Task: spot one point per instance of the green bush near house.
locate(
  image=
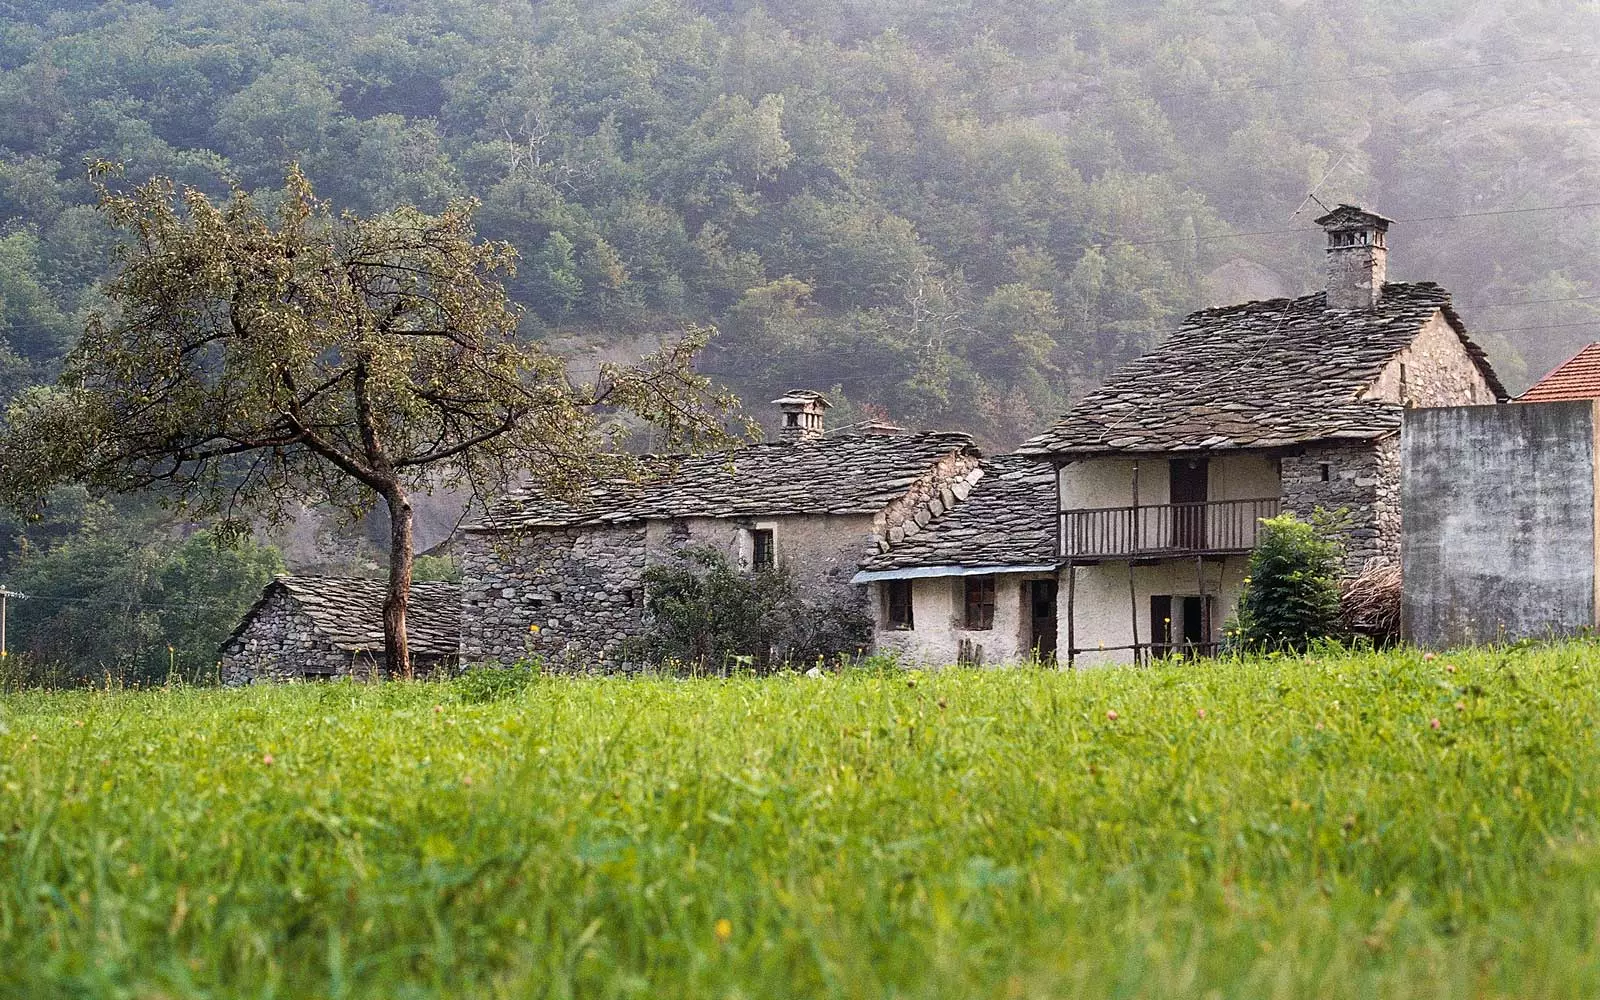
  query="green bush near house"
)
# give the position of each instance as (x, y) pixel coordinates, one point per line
(1377, 825)
(1291, 596)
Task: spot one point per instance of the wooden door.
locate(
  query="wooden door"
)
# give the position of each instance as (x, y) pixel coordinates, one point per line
(1190, 483)
(1042, 618)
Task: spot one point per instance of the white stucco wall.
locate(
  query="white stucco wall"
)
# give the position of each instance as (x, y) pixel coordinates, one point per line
(1095, 483)
(936, 611)
(1103, 616)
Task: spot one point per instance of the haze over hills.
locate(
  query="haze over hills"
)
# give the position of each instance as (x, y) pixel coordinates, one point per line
(958, 213)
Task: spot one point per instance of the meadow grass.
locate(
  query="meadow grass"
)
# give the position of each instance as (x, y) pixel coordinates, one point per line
(1272, 828)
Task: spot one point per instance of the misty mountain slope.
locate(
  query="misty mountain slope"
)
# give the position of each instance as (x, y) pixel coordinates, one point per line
(949, 212)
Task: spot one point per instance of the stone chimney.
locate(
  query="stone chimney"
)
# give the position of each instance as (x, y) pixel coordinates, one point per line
(802, 414)
(1358, 260)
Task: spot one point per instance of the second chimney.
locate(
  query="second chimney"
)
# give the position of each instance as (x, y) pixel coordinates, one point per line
(802, 414)
(1358, 260)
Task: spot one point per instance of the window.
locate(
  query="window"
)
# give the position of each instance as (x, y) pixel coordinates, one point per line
(763, 549)
(897, 604)
(1326, 470)
(978, 604)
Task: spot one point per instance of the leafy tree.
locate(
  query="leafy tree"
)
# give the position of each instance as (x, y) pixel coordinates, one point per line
(115, 591)
(1291, 597)
(259, 360)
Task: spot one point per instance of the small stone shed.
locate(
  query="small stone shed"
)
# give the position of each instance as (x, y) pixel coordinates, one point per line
(563, 581)
(979, 584)
(322, 627)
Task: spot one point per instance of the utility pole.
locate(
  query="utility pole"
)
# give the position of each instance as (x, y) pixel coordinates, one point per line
(6, 593)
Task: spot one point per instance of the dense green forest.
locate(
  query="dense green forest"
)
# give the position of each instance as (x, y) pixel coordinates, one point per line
(947, 212)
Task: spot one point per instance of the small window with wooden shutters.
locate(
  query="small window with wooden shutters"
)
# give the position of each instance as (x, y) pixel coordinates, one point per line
(763, 549)
(978, 606)
(897, 604)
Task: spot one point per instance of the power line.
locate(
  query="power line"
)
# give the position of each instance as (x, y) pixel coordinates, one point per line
(1305, 229)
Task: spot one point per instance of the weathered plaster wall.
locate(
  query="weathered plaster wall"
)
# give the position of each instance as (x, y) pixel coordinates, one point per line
(1104, 617)
(937, 609)
(1437, 371)
(1498, 505)
(281, 643)
(584, 589)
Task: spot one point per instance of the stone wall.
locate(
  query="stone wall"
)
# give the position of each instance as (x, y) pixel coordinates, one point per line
(583, 587)
(1434, 371)
(281, 643)
(570, 596)
(1362, 480)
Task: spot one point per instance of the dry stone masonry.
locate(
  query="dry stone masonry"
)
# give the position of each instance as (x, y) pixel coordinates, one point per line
(320, 627)
(562, 580)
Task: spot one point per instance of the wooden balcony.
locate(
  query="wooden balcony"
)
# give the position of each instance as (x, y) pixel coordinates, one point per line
(1164, 531)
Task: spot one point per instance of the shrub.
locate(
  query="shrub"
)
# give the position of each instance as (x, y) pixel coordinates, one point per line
(706, 614)
(1291, 597)
(481, 685)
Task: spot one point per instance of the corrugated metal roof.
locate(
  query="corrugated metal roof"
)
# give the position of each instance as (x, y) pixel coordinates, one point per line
(1576, 378)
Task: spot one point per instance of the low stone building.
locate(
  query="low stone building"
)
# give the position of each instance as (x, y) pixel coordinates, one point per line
(979, 584)
(1164, 473)
(564, 581)
(322, 627)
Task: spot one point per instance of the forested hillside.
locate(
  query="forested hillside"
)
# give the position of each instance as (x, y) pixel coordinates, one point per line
(952, 213)
(958, 212)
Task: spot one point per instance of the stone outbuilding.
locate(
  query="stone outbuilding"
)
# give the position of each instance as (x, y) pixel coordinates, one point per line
(979, 584)
(1164, 473)
(323, 627)
(564, 581)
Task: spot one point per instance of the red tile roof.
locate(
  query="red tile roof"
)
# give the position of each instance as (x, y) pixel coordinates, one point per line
(1577, 378)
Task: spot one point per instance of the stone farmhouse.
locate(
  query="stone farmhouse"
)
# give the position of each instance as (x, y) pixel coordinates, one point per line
(979, 584)
(323, 627)
(1164, 473)
(563, 581)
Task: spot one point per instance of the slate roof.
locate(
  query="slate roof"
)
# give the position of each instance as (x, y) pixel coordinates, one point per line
(1576, 378)
(1259, 375)
(349, 612)
(1007, 520)
(834, 474)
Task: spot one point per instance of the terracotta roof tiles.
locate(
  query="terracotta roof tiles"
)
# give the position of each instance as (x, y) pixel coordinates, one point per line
(1576, 378)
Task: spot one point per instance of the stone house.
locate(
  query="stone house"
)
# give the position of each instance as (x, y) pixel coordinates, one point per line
(564, 581)
(322, 627)
(1164, 473)
(979, 584)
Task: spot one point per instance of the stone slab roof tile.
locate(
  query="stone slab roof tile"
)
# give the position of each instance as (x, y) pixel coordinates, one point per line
(1263, 374)
(348, 611)
(835, 474)
(1007, 520)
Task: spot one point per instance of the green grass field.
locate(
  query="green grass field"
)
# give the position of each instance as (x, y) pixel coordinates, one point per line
(1258, 829)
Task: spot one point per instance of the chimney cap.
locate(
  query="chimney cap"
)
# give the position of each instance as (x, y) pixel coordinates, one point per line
(803, 397)
(1353, 217)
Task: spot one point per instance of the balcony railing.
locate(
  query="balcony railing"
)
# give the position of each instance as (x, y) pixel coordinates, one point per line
(1177, 529)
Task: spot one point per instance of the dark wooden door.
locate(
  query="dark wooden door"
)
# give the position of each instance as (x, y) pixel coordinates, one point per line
(1190, 482)
(1042, 618)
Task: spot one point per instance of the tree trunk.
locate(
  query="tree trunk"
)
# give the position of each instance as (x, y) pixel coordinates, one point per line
(396, 648)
